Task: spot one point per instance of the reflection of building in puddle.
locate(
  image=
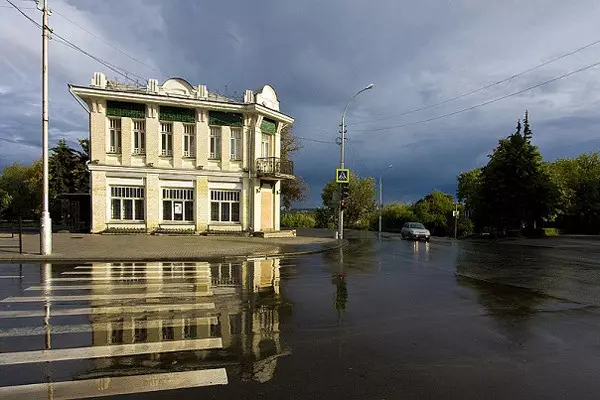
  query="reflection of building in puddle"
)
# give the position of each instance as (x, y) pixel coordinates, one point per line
(246, 314)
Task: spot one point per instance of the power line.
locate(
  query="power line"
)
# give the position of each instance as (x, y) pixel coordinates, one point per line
(314, 140)
(359, 160)
(23, 14)
(66, 42)
(587, 46)
(105, 42)
(486, 102)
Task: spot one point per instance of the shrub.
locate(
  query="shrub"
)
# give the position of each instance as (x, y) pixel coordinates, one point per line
(299, 220)
(551, 232)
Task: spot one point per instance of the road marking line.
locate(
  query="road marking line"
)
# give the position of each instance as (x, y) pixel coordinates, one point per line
(11, 277)
(109, 310)
(115, 350)
(97, 297)
(99, 326)
(114, 386)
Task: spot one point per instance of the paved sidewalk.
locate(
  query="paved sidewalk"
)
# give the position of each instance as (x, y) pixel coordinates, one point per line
(77, 247)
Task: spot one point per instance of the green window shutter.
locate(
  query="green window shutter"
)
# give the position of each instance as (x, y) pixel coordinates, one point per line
(225, 118)
(124, 109)
(268, 126)
(180, 114)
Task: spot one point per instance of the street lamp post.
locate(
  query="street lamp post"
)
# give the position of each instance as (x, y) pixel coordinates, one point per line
(343, 139)
(381, 195)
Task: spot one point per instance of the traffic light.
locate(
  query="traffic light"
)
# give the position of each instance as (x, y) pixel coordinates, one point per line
(345, 190)
(342, 205)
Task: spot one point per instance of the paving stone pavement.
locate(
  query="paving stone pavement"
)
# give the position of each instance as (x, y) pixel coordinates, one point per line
(69, 246)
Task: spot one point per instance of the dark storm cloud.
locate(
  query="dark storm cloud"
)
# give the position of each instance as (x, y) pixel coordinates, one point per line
(317, 54)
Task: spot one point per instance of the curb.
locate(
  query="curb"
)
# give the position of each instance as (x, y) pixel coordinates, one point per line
(61, 259)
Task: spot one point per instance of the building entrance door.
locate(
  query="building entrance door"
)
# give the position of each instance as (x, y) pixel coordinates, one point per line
(266, 206)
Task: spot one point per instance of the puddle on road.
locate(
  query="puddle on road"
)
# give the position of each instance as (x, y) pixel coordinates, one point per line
(70, 329)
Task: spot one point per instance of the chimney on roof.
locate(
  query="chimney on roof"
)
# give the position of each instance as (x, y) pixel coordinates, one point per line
(248, 96)
(98, 80)
(202, 92)
(152, 86)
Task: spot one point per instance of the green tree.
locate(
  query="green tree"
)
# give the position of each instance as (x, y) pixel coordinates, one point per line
(81, 175)
(578, 196)
(5, 200)
(394, 215)
(296, 189)
(23, 187)
(62, 163)
(435, 211)
(469, 192)
(515, 190)
(360, 204)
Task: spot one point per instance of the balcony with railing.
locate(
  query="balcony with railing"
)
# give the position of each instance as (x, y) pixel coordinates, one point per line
(275, 168)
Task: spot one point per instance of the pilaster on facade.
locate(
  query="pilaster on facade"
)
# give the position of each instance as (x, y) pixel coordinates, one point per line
(99, 198)
(152, 202)
(177, 144)
(225, 148)
(152, 135)
(202, 139)
(202, 197)
(126, 136)
(98, 131)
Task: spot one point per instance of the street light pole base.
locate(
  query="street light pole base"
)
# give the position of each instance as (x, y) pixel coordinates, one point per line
(45, 234)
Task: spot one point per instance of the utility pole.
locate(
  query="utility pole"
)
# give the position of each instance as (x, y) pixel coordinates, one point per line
(45, 222)
(381, 196)
(455, 219)
(343, 140)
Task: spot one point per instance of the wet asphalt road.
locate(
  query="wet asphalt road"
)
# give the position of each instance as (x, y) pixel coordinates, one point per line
(380, 319)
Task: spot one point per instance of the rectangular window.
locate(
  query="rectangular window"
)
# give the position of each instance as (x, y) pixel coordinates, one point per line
(178, 204)
(265, 145)
(127, 203)
(215, 142)
(114, 135)
(139, 137)
(166, 148)
(190, 329)
(236, 144)
(225, 206)
(189, 140)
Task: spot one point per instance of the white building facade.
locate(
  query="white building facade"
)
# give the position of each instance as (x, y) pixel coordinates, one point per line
(176, 157)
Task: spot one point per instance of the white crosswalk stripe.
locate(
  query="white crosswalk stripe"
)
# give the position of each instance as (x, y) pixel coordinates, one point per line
(114, 386)
(115, 350)
(109, 310)
(134, 313)
(99, 297)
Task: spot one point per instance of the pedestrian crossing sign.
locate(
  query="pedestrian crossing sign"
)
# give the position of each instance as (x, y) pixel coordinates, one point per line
(342, 175)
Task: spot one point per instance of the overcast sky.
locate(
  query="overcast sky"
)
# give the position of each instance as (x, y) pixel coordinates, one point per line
(317, 54)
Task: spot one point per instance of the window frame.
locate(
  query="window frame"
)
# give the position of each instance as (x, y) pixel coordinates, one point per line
(189, 140)
(215, 137)
(124, 196)
(173, 196)
(224, 200)
(139, 136)
(115, 137)
(266, 145)
(236, 143)
(166, 139)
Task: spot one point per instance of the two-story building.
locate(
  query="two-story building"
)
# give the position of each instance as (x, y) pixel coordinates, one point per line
(179, 157)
